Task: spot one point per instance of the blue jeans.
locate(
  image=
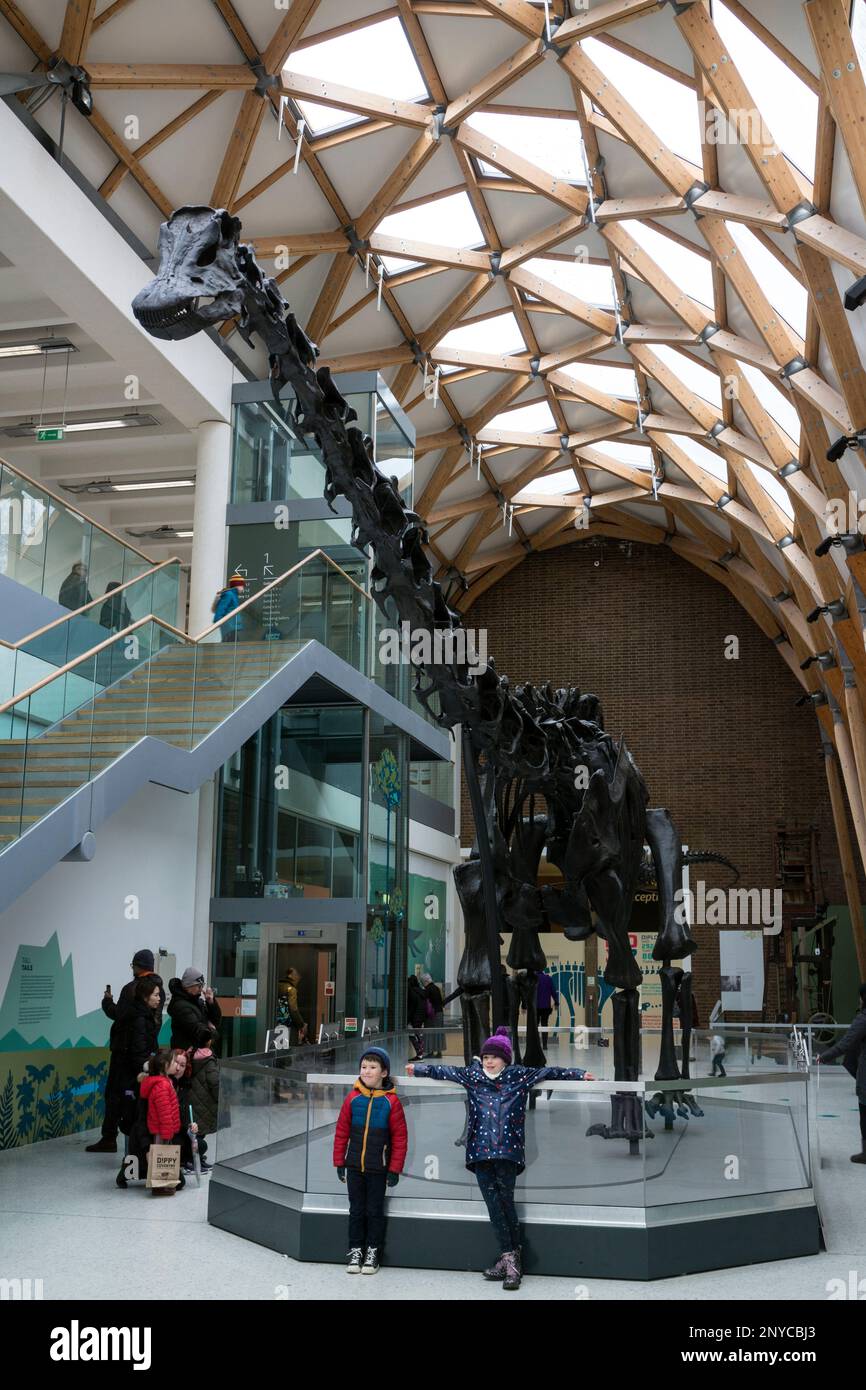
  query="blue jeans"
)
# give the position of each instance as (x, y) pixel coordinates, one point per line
(496, 1178)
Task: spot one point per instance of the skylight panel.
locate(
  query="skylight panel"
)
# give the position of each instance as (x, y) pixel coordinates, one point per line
(500, 334)
(560, 482)
(591, 283)
(528, 419)
(774, 401)
(444, 221)
(787, 295)
(696, 377)
(547, 142)
(668, 107)
(773, 487)
(614, 381)
(377, 58)
(858, 30)
(786, 104)
(692, 272)
(700, 454)
(635, 455)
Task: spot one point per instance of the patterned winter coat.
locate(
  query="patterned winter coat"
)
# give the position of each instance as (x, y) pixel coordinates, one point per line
(497, 1109)
(371, 1130)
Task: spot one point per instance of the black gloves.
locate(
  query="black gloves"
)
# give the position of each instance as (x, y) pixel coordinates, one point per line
(393, 1179)
(341, 1174)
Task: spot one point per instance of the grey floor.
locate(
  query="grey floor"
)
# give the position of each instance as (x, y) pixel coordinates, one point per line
(63, 1221)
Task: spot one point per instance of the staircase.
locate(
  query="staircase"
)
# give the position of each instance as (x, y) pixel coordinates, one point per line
(180, 695)
(151, 704)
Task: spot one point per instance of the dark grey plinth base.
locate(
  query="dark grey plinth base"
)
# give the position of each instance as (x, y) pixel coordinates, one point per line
(662, 1248)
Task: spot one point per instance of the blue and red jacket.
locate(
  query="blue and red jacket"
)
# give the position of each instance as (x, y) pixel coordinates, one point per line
(371, 1130)
(497, 1109)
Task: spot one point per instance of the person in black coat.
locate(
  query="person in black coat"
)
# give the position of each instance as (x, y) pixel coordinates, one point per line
(192, 1007)
(436, 1019)
(417, 1016)
(114, 613)
(137, 1038)
(851, 1047)
(142, 969)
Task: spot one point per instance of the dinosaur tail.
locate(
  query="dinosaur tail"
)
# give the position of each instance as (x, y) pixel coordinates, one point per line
(706, 856)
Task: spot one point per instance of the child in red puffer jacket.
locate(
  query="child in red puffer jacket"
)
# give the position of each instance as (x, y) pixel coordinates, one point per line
(163, 1111)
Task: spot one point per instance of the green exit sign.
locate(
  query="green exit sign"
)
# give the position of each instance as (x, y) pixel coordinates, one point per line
(49, 436)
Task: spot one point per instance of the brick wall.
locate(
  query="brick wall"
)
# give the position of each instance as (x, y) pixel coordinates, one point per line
(719, 742)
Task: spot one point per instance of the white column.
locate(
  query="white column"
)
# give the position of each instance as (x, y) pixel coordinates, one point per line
(209, 541)
(201, 953)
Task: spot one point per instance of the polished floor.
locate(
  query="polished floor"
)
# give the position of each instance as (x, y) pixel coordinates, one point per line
(62, 1220)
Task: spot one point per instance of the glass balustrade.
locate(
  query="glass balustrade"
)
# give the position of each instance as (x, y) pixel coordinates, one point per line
(54, 550)
(64, 728)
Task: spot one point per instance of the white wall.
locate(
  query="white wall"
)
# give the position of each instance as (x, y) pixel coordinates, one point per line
(145, 863)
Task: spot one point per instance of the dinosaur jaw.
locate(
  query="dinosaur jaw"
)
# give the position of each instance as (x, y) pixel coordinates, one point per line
(177, 318)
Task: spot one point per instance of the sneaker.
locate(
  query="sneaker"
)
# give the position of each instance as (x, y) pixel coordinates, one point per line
(205, 1166)
(371, 1261)
(104, 1146)
(189, 1168)
(354, 1260)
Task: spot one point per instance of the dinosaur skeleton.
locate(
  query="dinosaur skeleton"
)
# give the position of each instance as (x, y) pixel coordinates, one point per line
(521, 746)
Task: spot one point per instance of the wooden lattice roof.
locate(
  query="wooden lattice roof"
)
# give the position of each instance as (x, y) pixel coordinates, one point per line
(617, 236)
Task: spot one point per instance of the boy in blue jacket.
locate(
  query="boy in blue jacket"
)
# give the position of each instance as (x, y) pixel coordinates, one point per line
(497, 1093)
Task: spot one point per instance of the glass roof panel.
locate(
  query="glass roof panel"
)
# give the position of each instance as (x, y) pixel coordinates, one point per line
(700, 454)
(771, 485)
(548, 142)
(858, 30)
(377, 58)
(667, 106)
(529, 418)
(787, 295)
(614, 381)
(591, 283)
(444, 221)
(562, 481)
(692, 272)
(786, 104)
(697, 378)
(635, 455)
(774, 400)
(500, 334)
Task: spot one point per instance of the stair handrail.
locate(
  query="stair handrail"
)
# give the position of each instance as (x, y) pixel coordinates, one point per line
(76, 511)
(77, 612)
(169, 627)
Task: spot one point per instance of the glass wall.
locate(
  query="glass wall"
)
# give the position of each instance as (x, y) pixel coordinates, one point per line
(290, 808)
(270, 464)
(434, 779)
(53, 550)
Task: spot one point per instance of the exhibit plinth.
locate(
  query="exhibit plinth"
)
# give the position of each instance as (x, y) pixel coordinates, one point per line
(731, 1186)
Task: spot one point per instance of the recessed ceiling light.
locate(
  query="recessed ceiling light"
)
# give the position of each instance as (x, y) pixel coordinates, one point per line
(183, 535)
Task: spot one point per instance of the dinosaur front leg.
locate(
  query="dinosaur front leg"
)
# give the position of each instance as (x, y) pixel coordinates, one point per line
(674, 940)
(685, 1003)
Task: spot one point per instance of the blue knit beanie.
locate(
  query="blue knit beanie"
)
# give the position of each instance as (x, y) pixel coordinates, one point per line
(381, 1056)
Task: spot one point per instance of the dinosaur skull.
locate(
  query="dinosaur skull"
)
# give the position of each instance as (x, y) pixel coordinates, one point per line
(200, 280)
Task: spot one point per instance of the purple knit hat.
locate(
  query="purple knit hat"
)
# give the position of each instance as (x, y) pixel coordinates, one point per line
(499, 1045)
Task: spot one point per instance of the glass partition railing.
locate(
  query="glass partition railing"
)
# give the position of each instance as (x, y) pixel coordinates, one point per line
(25, 663)
(52, 549)
(151, 679)
(276, 1126)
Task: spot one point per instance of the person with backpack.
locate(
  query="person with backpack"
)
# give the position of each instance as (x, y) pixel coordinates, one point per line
(370, 1143)
(851, 1047)
(435, 1010)
(226, 601)
(142, 969)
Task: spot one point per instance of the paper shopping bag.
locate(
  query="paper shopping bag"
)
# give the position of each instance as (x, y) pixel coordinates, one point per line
(163, 1165)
